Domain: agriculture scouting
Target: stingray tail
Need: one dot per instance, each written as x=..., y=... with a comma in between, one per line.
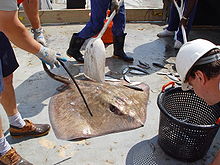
x=56, y=77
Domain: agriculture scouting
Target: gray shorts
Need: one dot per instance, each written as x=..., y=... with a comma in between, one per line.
x=8, y=5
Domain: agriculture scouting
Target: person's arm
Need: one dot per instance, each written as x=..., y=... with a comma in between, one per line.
x=11, y=26
x=189, y=8
x=31, y=10
x=216, y=161
x=187, y=11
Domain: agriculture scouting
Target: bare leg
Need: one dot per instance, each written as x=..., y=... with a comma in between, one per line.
x=31, y=10
x=8, y=96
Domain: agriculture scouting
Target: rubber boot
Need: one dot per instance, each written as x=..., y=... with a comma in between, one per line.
x=74, y=48
x=118, y=43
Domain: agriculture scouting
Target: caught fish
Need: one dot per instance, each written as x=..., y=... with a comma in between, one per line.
x=126, y=78
x=109, y=78
x=115, y=108
x=134, y=87
x=137, y=68
x=163, y=73
x=178, y=83
x=176, y=75
x=172, y=77
x=144, y=64
x=135, y=83
x=125, y=70
x=136, y=72
x=159, y=65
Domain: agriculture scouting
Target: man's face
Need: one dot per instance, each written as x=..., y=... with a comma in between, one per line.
x=197, y=87
x=204, y=87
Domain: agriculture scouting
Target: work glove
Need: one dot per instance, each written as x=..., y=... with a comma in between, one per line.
x=50, y=57
x=115, y=5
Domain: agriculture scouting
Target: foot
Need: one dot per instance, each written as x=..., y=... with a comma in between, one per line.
x=165, y=33
x=177, y=44
x=30, y=129
x=125, y=57
x=75, y=45
x=13, y=158
x=39, y=36
x=76, y=55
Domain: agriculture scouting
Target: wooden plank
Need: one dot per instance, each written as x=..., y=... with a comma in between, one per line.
x=166, y=9
x=144, y=15
x=210, y=27
x=59, y=16
x=67, y=16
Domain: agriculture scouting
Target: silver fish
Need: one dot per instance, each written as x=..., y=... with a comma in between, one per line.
x=172, y=77
x=136, y=72
x=163, y=73
x=126, y=78
x=147, y=66
x=159, y=65
x=109, y=78
x=137, y=68
x=135, y=83
x=125, y=70
x=142, y=66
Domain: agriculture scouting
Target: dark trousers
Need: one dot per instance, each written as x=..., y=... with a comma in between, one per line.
x=98, y=15
x=174, y=20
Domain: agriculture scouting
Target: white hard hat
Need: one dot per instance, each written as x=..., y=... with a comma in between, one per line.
x=188, y=55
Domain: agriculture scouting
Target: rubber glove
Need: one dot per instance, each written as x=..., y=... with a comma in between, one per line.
x=115, y=5
x=50, y=56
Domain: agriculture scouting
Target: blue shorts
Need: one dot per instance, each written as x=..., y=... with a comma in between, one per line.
x=8, y=62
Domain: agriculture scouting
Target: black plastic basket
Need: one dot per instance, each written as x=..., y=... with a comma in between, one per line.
x=187, y=124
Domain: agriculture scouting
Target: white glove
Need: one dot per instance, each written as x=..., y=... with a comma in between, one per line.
x=49, y=56
x=115, y=5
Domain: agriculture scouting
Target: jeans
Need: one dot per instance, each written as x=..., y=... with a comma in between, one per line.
x=174, y=20
x=98, y=15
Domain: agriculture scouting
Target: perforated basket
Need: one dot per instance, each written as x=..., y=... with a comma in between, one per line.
x=187, y=124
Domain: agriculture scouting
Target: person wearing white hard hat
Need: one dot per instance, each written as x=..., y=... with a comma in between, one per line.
x=198, y=64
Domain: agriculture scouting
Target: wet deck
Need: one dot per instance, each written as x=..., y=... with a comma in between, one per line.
x=137, y=147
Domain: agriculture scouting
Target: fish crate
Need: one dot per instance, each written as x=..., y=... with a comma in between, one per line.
x=187, y=124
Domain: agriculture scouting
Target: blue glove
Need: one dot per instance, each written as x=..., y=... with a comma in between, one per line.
x=50, y=56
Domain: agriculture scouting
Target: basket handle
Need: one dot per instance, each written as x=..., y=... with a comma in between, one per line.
x=218, y=121
x=167, y=84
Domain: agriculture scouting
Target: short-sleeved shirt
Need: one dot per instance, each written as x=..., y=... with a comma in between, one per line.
x=8, y=5
x=8, y=62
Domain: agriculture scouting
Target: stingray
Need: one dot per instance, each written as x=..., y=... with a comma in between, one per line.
x=115, y=107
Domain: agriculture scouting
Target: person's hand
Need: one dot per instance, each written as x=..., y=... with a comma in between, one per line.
x=50, y=56
x=115, y=5
x=184, y=22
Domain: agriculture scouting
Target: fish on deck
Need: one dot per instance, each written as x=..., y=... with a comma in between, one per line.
x=115, y=108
